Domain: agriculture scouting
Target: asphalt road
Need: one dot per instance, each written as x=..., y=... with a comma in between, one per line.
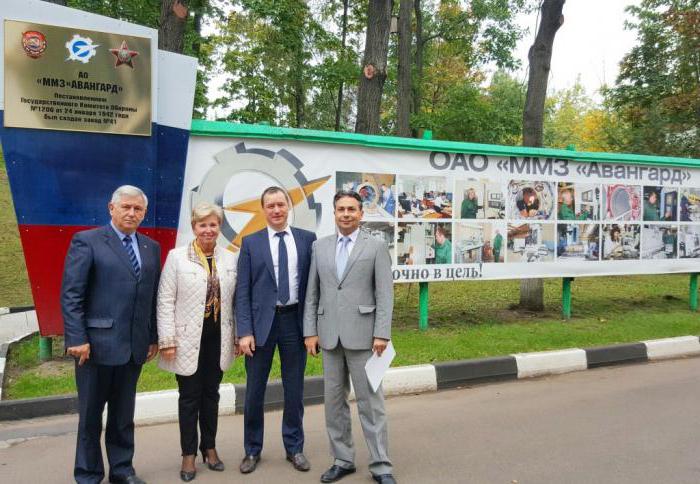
x=631, y=424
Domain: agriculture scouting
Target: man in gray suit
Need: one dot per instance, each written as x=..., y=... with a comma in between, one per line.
x=349, y=302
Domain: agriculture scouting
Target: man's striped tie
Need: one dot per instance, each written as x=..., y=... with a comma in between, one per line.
x=132, y=255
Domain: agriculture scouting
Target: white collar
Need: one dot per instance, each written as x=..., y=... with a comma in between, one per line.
x=271, y=233
x=121, y=234
x=353, y=236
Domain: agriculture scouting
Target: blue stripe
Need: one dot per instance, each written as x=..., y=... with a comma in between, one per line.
x=66, y=178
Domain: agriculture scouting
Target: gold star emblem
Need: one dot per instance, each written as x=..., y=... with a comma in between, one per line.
x=258, y=222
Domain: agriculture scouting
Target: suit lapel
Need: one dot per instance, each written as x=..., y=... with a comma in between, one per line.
x=264, y=241
x=302, y=255
x=112, y=240
x=146, y=252
x=360, y=244
x=330, y=253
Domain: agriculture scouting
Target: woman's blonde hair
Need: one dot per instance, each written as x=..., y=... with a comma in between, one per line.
x=205, y=209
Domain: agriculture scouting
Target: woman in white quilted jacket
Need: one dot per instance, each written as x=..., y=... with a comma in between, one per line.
x=196, y=332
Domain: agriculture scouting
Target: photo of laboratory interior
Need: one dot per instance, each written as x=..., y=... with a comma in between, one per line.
x=530, y=242
x=424, y=243
x=622, y=202
x=383, y=231
x=660, y=203
x=689, y=241
x=479, y=242
x=479, y=199
x=620, y=241
x=690, y=205
x=578, y=201
x=427, y=197
x=659, y=241
x=531, y=200
x=578, y=241
x=377, y=191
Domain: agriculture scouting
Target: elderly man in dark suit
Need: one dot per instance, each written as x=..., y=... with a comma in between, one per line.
x=107, y=298
x=273, y=267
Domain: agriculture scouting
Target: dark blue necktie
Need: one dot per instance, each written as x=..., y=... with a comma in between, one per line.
x=283, y=271
x=132, y=255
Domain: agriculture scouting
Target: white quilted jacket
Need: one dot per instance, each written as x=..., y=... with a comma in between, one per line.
x=181, y=297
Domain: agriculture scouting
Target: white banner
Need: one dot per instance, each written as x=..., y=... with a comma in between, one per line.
x=461, y=216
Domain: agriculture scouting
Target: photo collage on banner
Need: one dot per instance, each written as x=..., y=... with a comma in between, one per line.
x=429, y=220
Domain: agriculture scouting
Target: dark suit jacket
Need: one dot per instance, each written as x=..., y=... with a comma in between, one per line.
x=103, y=302
x=256, y=287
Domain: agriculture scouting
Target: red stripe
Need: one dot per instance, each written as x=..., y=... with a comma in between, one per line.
x=45, y=248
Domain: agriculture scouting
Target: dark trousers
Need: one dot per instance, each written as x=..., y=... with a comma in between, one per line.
x=115, y=386
x=199, y=394
x=286, y=335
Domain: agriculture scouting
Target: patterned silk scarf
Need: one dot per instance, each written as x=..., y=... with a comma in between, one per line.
x=213, y=303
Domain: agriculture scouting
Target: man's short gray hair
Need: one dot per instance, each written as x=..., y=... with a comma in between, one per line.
x=128, y=191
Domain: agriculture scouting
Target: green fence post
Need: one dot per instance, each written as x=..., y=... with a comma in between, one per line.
x=423, y=292
x=566, y=297
x=45, y=348
x=694, y=291
x=423, y=305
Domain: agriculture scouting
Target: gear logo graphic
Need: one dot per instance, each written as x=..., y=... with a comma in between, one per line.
x=281, y=167
x=81, y=49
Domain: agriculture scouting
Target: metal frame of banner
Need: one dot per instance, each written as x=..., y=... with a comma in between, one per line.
x=426, y=143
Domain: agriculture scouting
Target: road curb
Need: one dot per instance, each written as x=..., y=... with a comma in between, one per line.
x=161, y=406
x=453, y=374
x=616, y=354
x=550, y=362
x=660, y=349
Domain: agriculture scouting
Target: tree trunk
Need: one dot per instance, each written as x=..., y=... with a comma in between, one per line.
x=197, y=42
x=344, y=36
x=173, y=17
x=299, y=92
x=369, y=95
x=420, y=46
x=403, y=100
x=540, y=58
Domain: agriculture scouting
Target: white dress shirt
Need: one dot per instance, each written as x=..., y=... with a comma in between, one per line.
x=292, y=259
x=351, y=244
x=134, y=242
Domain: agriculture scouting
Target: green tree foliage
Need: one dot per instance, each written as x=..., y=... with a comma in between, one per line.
x=147, y=12
x=283, y=58
x=658, y=89
x=573, y=118
x=458, y=40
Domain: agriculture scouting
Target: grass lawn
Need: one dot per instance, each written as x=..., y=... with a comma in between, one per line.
x=467, y=320
x=14, y=283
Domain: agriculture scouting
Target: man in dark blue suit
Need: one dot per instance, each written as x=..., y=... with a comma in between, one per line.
x=107, y=298
x=273, y=268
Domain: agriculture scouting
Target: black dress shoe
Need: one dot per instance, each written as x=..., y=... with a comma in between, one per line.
x=188, y=476
x=249, y=463
x=214, y=466
x=336, y=473
x=299, y=462
x=384, y=479
x=133, y=479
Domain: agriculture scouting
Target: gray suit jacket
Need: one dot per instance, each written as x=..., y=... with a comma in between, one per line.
x=357, y=308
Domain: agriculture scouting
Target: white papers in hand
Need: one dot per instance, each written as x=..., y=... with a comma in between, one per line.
x=377, y=366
